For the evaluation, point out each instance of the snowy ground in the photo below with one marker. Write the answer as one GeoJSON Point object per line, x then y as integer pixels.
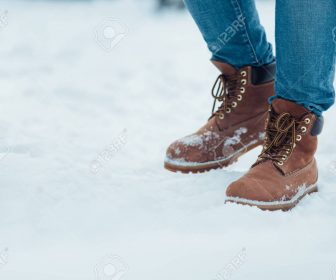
{"type": "Point", "coordinates": [83, 131]}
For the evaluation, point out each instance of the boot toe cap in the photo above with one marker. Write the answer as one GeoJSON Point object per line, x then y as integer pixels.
{"type": "Point", "coordinates": [179, 151]}
{"type": "Point", "coordinates": [249, 190]}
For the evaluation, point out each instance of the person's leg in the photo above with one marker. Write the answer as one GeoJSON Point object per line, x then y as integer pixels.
{"type": "Point", "coordinates": [286, 169]}
{"type": "Point", "coordinates": [305, 48]}
{"type": "Point", "coordinates": [232, 31]}
{"type": "Point", "coordinates": [241, 52]}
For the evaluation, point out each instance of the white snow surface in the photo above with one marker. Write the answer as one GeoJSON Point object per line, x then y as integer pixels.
{"type": "Point", "coordinates": [83, 133]}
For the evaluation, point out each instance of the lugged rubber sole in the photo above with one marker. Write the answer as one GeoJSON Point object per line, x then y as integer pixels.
{"type": "Point", "coordinates": [186, 167]}
{"type": "Point", "coordinates": [275, 205]}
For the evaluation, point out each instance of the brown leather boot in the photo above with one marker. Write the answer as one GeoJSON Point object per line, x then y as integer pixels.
{"type": "Point", "coordinates": [236, 127]}
{"type": "Point", "coordinates": [286, 169]}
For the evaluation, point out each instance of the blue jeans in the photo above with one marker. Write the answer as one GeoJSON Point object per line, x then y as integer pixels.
{"type": "Point", "coordinates": [305, 44]}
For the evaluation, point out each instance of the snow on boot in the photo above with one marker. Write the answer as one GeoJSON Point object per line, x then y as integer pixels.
{"type": "Point", "coordinates": [286, 169]}
{"type": "Point", "coordinates": [234, 128]}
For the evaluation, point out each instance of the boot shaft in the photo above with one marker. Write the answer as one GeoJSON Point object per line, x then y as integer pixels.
{"type": "Point", "coordinates": [245, 92]}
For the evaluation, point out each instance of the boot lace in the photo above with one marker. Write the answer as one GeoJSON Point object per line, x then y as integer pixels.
{"type": "Point", "coordinates": [229, 90]}
{"type": "Point", "coordinates": [282, 133]}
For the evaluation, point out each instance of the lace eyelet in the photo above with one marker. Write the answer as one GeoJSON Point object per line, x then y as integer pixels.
{"type": "Point", "coordinates": [280, 163]}
{"type": "Point", "coordinates": [307, 120]}
{"type": "Point", "coordinates": [284, 157]}
{"type": "Point", "coordinates": [243, 73]}
{"type": "Point", "coordinates": [234, 104]}
{"type": "Point", "coordinates": [303, 129]}
{"type": "Point", "coordinates": [242, 89]}
{"type": "Point", "coordinates": [243, 81]}
{"type": "Point", "coordinates": [239, 97]}
{"type": "Point", "coordinates": [228, 110]}
{"type": "Point", "coordinates": [221, 116]}
{"type": "Point", "coordinates": [298, 138]}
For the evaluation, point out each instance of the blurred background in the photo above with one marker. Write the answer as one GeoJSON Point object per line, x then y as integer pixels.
{"type": "Point", "coordinates": [91, 94]}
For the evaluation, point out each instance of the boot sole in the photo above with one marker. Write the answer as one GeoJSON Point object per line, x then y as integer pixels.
{"type": "Point", "coordinates": [275, 205]}
{"type": "Point", "coordinates": [196, 167]}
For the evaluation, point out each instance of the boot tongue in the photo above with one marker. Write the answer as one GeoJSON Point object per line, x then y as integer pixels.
{"type": "Point", "coordinates": [225, 68]}
{"type": "Point", "coordinates": [285, 106]}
